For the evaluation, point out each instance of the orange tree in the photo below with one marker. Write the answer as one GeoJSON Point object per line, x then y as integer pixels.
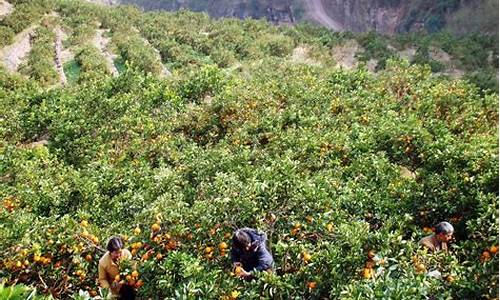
{"type": "Point", "coordinates": [314, 158]}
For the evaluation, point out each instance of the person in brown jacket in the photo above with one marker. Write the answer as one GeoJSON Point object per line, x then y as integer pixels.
{"type": "Point", "coordinates": [108, 269]}
{"type": "Point", "coordinates": [439, 240]}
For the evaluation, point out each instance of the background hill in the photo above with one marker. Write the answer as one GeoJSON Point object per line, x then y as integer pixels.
{"type": "Point", "coordinates": [171, 129]}
{"type": "Point", "coordinates": [383, 16]}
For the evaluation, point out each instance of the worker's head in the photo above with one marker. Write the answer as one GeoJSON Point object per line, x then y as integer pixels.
{"type": "Point", "coordinates": [242, 240]}
{"type": "Point", "coordinates": [444, 232]}
{"type": "Point", "coordinates": [115, 246]}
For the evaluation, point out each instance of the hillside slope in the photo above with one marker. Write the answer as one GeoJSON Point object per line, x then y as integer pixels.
{"type": "Point", "coordinates": [383, 16]}
{"type": "Point", "coordinates": [284, 129]}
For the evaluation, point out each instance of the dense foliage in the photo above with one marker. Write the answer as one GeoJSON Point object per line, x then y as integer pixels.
{"type": "Point", "coordinates": [344, 170]}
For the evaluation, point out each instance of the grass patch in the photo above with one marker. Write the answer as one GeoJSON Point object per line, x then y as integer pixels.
{"type": "Point", "coordinates": [120, 65]}
{"type": "Point", "coordinates": [72, 70]}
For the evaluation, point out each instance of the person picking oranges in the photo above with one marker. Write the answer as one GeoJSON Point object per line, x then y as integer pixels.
{"type": "Point", "coordinates": [439, 241]}
{"type": "Point", "coordinates": [109, 273]}
{"type": "Point", "coordinates": [249, 253]}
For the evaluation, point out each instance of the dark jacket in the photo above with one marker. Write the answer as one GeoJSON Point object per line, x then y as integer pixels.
{"type": "Point", "coordinates": [258, 258]}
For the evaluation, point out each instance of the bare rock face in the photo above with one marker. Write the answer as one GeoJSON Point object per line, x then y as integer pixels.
{"type": "Point", "coordinates": [277, 11]}
{"type": "Point", "coordinates": [5, 8]}
{"type": "Point", "coordinates": [13, 55]}
{"type": "Point", "coordinates": [383, 16]}
{"type": "Point", "coordinates": [366, 15]}
{"type": "Point", "coordinates": [345, 55]}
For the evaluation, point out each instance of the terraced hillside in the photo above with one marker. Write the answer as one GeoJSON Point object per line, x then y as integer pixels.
{"type": "Point", "coordinates": [173, 129]}
{"type": "Point", "coordinates": [160, 50]}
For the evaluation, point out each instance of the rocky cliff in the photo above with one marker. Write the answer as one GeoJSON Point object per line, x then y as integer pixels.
{"type": "Point", "coordinates": [391, 16]}
{"type": "Point", "coordinates": [383, 16]}
{"type": "Point", "coordinates": [277, 11]}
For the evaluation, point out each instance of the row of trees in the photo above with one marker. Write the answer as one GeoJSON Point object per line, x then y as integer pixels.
{"type": "Point", "coordinates": [319, 149]}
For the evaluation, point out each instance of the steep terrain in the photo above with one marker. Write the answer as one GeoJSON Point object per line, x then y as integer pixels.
{"type": "Point", "coordinates": [344, 154]}
{"type": "Point", "coordinates": [5, 8]}
{"type": "Point", "coordinates": [316, 11]}
{"type": "Point", "coordinates": [383, 16]}
{"type": "Point", "coordinates": [13, 54]}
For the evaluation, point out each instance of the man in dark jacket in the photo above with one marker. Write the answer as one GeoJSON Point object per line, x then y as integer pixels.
{"type": "Point", "coordinates": [249, 252]}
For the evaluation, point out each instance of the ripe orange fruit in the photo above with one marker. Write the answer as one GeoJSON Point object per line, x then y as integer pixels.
{"type": "Point", "coordinates": [135, 274]}
{"type": "Point", "coordinates": [128, 278]}
{"type": "Point", "coordinates": [88, 257]}
{"type": "Point", "coordinates": [145, 256]}
{"type": "Point", "coordinates": [84, 223]}
{"type": "Point", "coordinates": [420, 268]}
{"type": "Point", "coordinates": [137, 231]}
{"type": "Point", "coordinates": [367, 273]}
{"type": "Point", "coordinates": [234, 295]}
{"type": "Point", "coordinates": [306, 257]}
{"type": "Point", "coordinates": [311, 285]}
{"type": "Point", "coordinates": [222, 246]}
{"type": "Point", "coordinates": [117, 278]}
{"type": "Point", "coordinates": [427, 229]}
{"type": "Point", "coordinates": [155, 227]}
{"type": "Point", "coordinates": [494, 249]}
{"type": "Point", "coordinates": [94, 239]}
{"type": "Point", "coordinates": [486, 256]}
{"type": "Point", "coordinates": [208, 249]}
{"type": "Point", "coordinates": [238, 270]}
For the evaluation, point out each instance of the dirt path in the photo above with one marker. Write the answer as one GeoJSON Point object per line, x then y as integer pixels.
{"type": "Point", "coordinates": [59, 60]}
{"type": "Point", "coordinates": [13, 54]}
{"type": "Point", "coordinates": [165, 72]}
{"type": "Point", "coordinates": [316, 10]}
{"type": "Point", "coordinates": [101, 42]}
{"type": "Point", "coordinates": [5, 8]}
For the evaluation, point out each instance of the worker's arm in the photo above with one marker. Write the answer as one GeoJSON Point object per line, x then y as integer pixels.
{"type": "Point", "coordinates": [235, 256]}
{"type": "Point", "coordinates": [103, 280]}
